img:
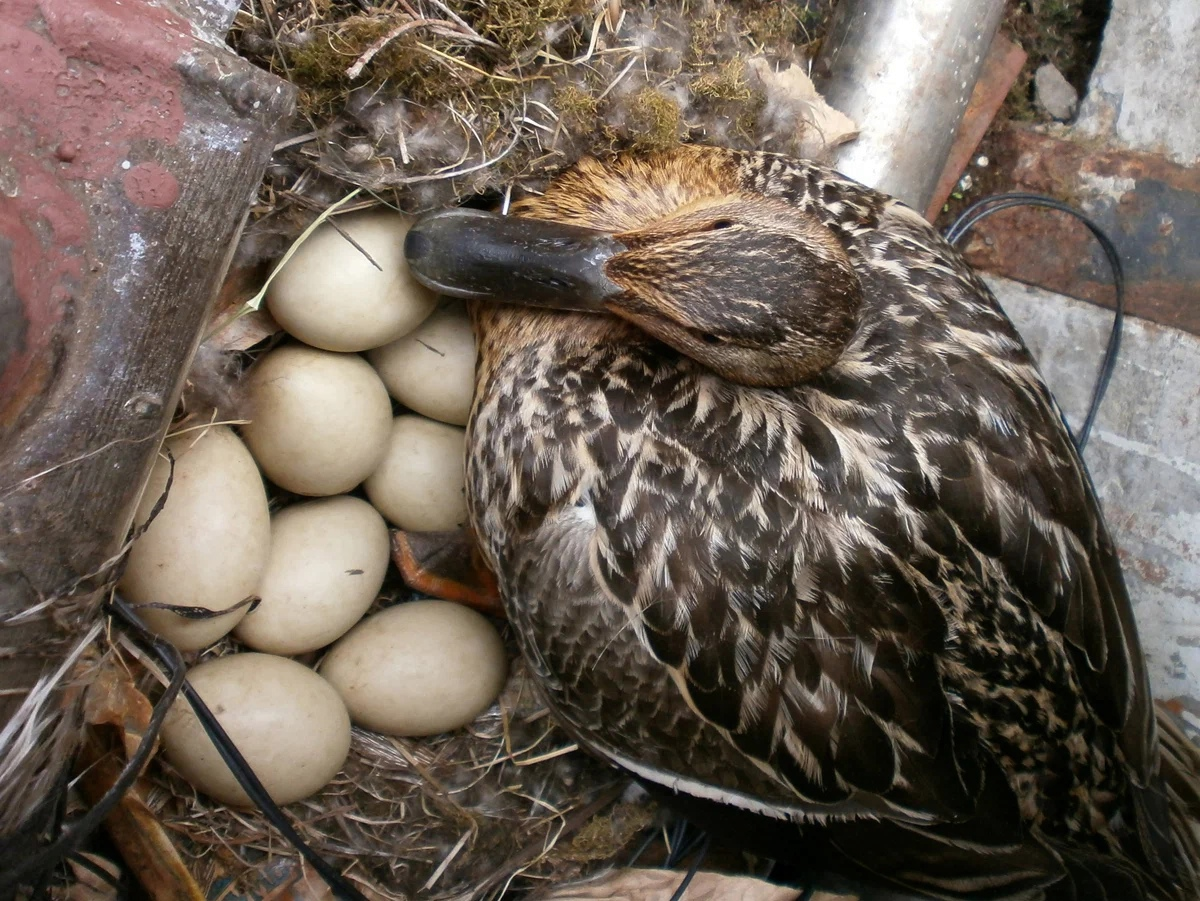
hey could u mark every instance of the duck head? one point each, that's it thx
(751, 287)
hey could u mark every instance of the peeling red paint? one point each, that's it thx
(151, 185)
(85, 85)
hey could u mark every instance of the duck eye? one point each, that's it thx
(710, 339)
(721, 223)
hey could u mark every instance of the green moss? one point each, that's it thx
(518, 25)
(319, 104)
(493, 102)
(655, 121)
(708, 30)
(779, 24)
(726, 82)
(315, 63)
(323, 59)
(319, 65)
(576, 108)
(745, 123)
(769, 24)
(423, 76)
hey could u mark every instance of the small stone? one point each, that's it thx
(1053, 94)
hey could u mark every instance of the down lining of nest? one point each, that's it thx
(440, 100)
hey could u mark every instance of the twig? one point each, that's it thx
(256, 301)
(296, 141)
(466, 65)
(451, 14)
(437, 874)
(369, 54)
(6, 490)
(617, 80)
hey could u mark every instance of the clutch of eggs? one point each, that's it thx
(369, 395)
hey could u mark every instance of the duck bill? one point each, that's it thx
(486, 256)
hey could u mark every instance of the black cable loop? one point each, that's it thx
(701, 854)
(981, 209)
(170, 658)
(40, 864)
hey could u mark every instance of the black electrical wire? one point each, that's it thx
(113, 882)
(40, 889)
(701, 854)
(981, 209)
(651, 835)
(41, 863)
(678, 843)
(168, 656)
(76, 833)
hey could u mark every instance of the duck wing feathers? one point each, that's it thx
(885, 593)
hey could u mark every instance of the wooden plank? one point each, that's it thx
(129, 151)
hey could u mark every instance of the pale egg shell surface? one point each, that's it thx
(327, 562)
(288, 722)
(418, 668)
(432, 369)
(320, 420)
(208, 545)
(332, 295)
(420, 484)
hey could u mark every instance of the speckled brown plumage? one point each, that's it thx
(880, 601)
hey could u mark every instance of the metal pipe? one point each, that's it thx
(904, 71)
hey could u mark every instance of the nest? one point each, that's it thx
(421, 104)
(507, 803)
(42, 731)
(435, 101)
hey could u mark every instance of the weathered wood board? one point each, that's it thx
(131, 144)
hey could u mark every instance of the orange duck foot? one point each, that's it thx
(447, 565)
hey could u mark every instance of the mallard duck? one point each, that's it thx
(788, 524)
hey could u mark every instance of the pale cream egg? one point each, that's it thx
(320, 420)
(420, 484)
(338, 296)
(418, 668)
(431, 370)
(288, 722)
(207, 547)
(327, 562)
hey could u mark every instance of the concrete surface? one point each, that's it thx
(1144, 456)
(1145, 90)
